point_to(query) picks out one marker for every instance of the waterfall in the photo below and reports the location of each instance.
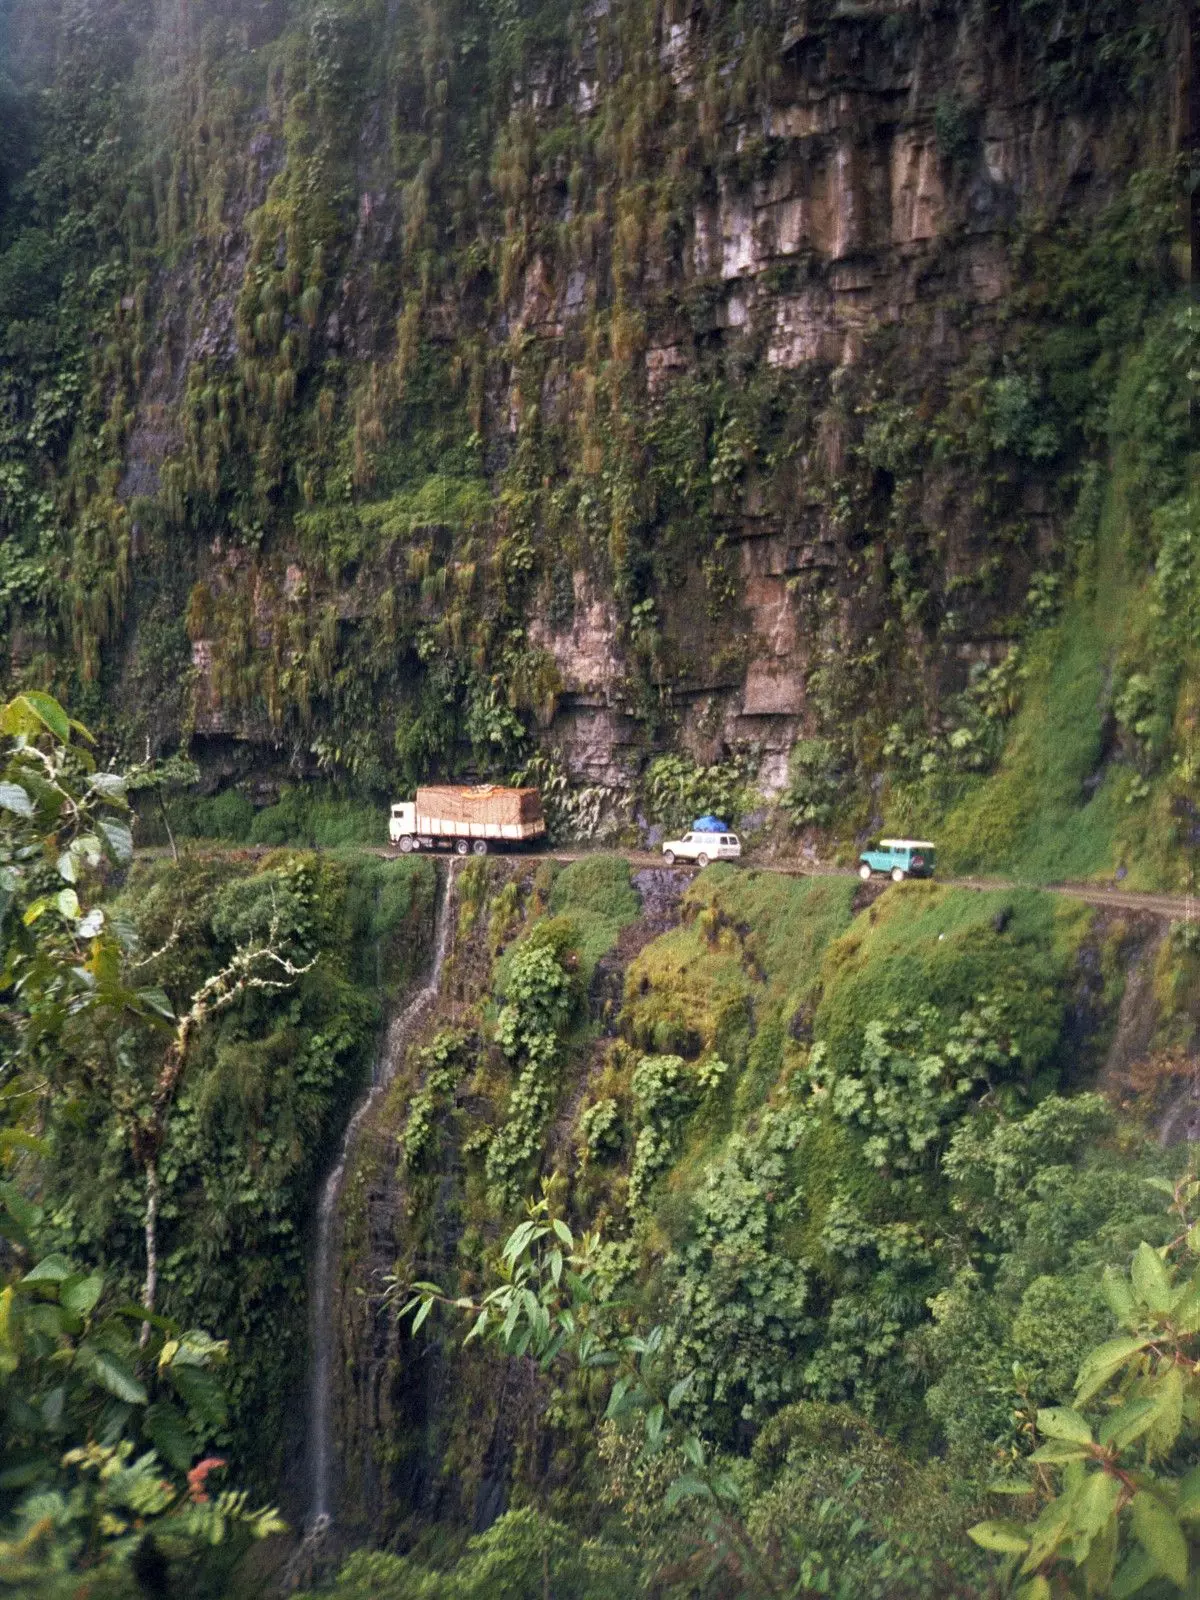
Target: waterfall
(323, 1334)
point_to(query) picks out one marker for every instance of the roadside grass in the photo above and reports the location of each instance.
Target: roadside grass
(927, 944)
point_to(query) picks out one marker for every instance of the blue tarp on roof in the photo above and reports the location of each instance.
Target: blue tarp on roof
(709, 825)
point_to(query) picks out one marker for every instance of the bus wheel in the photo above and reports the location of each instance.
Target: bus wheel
(480, 847)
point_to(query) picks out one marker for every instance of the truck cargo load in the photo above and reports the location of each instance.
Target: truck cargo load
(466, 818)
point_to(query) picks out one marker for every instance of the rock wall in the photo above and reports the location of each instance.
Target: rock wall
(427, 306)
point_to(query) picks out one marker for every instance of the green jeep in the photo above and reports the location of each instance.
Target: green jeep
(900, 858)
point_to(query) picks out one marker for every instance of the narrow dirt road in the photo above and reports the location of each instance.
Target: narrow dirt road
(1176, 908)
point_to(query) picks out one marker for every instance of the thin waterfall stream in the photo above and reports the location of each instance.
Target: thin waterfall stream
(325, 1260)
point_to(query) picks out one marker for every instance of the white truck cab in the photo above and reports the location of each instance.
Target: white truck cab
(702, 848)
(402, 824)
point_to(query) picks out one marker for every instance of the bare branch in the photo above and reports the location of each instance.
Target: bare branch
(216, 994)
(156, 955)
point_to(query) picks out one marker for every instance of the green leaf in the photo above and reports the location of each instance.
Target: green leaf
(1007, 1538)
(654, 1425)
(1160, 1536)
(1121, 1427)
(156, 1000)
(1189, 1496)
(1117, 1293)
(564, 1233)
(423, 1311)
(481, 1322)
(109, 784)
(167, 1428)
(1136, 1572)
(35, 910)
(1038, 1588)
(684, 1487)
(1100, 1364)
(679, 1390)
(51, 1269)
(1047, 1533)
(13, 798)
(25, 711)
(113, 1374)
(1167, 1396)
(1163, 1185)
(1096, 1504)
(1060, 1422)
(616, 1399)
(79, 1294)
(200, 1392)
(1055, 1452)
(119, 838)
(1151, 1280)
(67, 902)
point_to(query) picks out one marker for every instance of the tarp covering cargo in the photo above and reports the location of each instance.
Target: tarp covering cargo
(488, 803)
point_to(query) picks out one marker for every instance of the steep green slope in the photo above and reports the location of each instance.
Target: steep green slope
(391, 391)
(842, 1159)
(265, 1092)
(1097, 768)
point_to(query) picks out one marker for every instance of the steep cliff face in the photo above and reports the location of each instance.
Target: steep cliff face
(615, 374)
(742, 1092)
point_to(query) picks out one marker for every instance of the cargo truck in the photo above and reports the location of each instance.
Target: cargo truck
(446, 817)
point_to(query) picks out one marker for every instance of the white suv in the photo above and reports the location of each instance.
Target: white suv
(702, 848)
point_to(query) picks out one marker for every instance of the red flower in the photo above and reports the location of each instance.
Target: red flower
(198, 1474)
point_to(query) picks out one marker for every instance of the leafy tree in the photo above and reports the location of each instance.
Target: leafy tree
(1114, 1479)
(99, 1428)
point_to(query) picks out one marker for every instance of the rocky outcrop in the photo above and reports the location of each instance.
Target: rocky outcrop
(826, 201)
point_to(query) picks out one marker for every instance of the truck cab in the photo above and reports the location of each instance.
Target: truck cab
(402, 824)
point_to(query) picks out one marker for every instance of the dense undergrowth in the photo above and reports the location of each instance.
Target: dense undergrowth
(267, 1090)
(354, 355)
(339, 514)
(850, 1163)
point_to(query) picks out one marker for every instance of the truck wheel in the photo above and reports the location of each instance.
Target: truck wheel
(480, 847)
(702, 859)
(407, 844)
(864, 872)
(461, 847)
(898, 874)
(669, 857)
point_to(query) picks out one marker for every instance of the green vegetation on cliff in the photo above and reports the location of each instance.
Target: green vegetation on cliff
(847, 1165)
(652, 401)
(364, 360)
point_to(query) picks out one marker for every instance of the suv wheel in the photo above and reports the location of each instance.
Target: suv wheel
(702, 859)
(898, 874)
(864, 872)
(669, 857)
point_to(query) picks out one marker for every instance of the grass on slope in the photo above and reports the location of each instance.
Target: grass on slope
(1086, 783)
(923, 943)
(751, 945)
(1035, 819)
